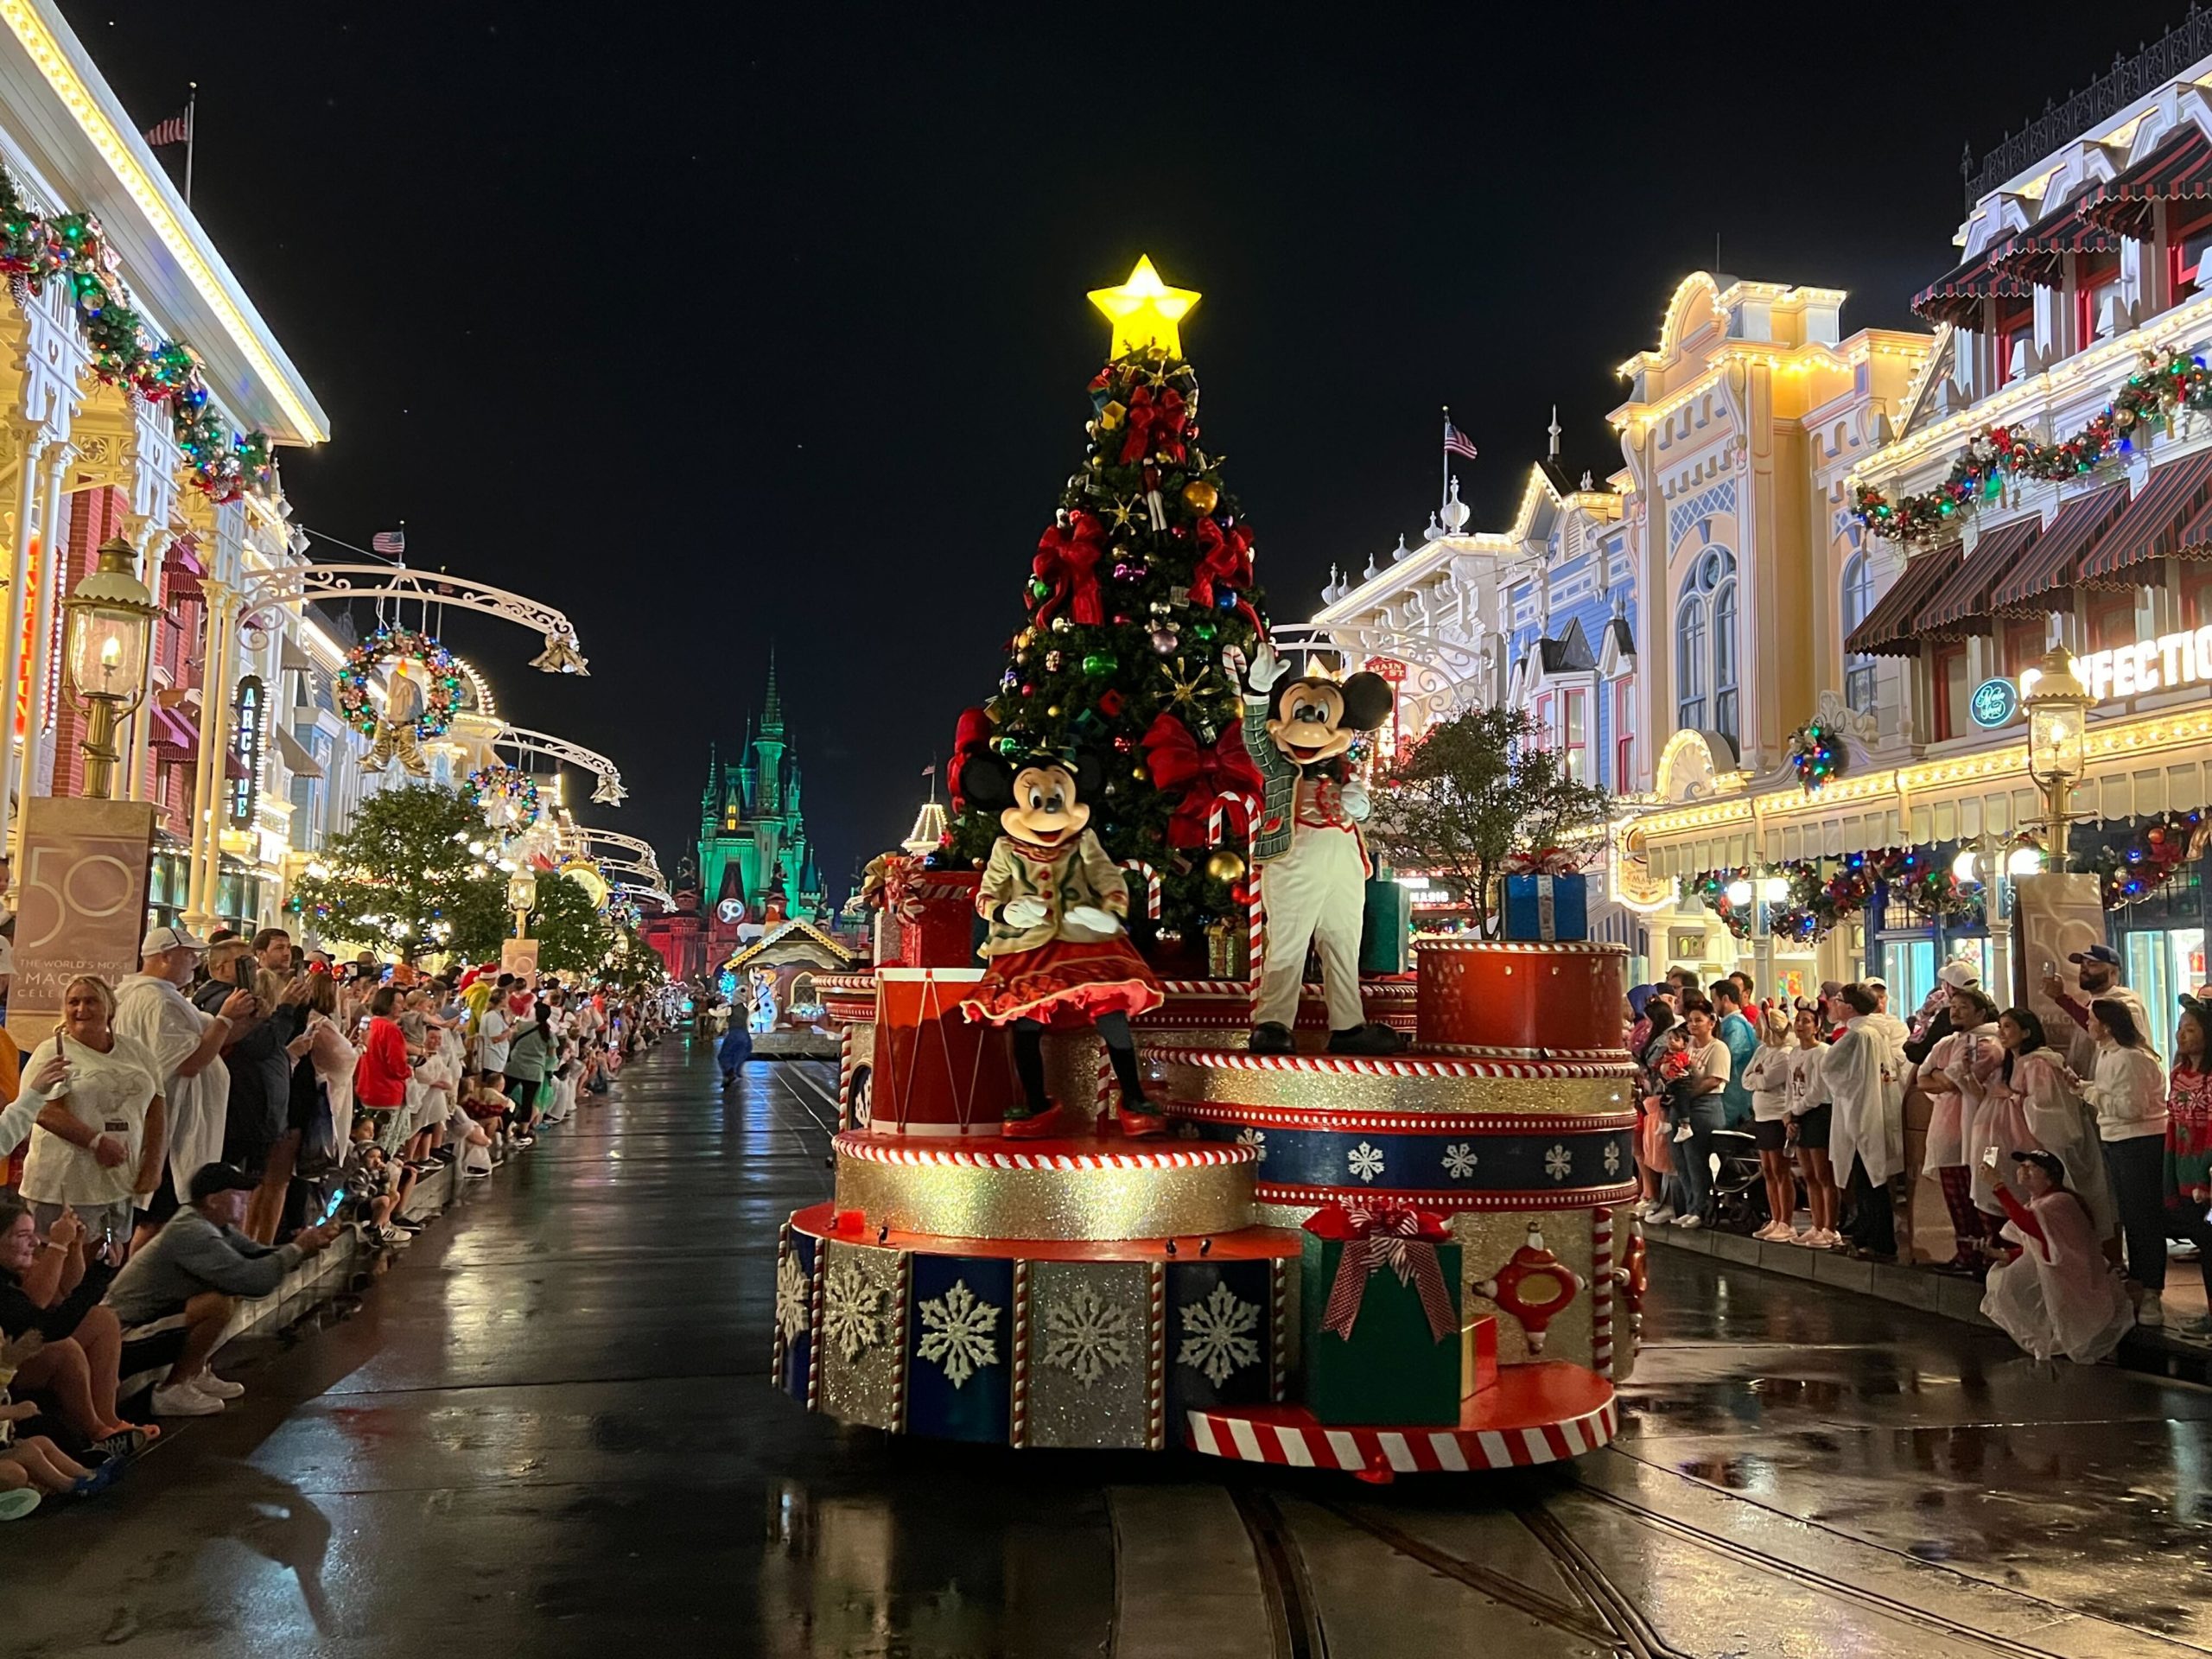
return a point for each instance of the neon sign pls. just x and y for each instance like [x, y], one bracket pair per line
[247, 734]
[2167, 663]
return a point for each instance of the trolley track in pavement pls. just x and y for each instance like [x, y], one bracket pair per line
[1609, 1616]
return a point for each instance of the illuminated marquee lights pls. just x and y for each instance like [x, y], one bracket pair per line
[2167, 663]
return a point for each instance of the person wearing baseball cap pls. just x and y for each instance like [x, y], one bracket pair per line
[2053, 1294]
[152, 1010]
[2096, 970]
[176, 1295]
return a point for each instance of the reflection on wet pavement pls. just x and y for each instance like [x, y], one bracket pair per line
[547, 1429]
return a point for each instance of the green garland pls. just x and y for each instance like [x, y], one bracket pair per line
[2157, 393]
[1819, 901]
[37, 250]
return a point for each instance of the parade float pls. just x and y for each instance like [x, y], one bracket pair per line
[1375, 1223]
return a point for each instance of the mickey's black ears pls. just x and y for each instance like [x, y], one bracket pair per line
[1089, 774]
[1367, 699]
[987, 781]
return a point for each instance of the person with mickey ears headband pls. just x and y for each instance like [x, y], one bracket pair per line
[1058, 953]
[1309, 845]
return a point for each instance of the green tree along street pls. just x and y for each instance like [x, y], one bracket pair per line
[401, 879]
[571, 934]
[1474, 789]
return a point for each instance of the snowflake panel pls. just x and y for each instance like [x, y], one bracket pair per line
[794, 1295]
[1220, 1329]
[1089, 1351]
[960, 1322]
[1458, 1160]
[860, 1364]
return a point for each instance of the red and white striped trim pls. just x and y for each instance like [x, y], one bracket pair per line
[1556, 1197]
[814, 1326]
[1255, 946]
[845, 1079]
[1156, 1364]
[776, 1347]
[1237, 1059]
[1279, 1343]
[1017, 1432]
[1187, 1155]
[1478, 1052]
[1523, 947]
[1403, 1451]
[903, 1294]
[1601, 1294]
[1152, 884]
[1235, 990]
[845, 982]
[1294, 1117]
[1109, 1090]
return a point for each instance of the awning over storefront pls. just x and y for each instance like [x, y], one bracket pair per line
[178, 739]
[1961, 606]
[1955, 297]
[1892, 627]
[2037, 255]
[2042, 579]
[2174, 496]
[2179, 169]
[289, 655]
[294, 754]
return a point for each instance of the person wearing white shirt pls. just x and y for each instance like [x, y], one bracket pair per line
[1862, 1078]
[152, 1010]
[99, 1138]
[2129, 1092]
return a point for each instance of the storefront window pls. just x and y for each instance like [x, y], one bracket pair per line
[2162, 963]
[1689, 665]
[1858, 601]
[1705, 645]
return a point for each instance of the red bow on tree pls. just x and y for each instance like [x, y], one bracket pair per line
[1155, 425]
[1225, 556]
[1202, 772]
[971, 736]
[1068, 561]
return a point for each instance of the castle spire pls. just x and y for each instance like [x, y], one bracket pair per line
[772, 714]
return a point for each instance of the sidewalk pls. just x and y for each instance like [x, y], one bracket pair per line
[2159, 1353]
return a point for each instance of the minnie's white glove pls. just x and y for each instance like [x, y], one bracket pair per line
[1024, 913]
[1093, 919]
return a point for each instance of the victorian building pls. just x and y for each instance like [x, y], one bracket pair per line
[2034, 475]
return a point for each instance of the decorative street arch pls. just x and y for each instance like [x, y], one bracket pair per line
[268, 591]
[609, 791]
[646, 890]
[641, 851]
[1441, 675]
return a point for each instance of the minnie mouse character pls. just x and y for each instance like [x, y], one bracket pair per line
[1058, 956]
[1308, 843]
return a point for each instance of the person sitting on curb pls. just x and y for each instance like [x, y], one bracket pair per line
[175, 1297]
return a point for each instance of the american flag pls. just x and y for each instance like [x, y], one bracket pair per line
[393, 542]
[1457, 443]
[177, 130]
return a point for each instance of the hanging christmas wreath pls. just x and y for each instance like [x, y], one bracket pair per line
[1815, 754]
[390, 645]
[507, 797]
[2151, 855]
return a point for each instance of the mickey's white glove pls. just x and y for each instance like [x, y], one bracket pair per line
[1266, 668]
[1353, 798]
[1024, 913]
[1093, 919]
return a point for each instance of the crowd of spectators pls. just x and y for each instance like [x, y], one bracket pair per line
[183, 1141]
[2073, 1164]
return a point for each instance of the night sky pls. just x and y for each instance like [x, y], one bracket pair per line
[723, 324]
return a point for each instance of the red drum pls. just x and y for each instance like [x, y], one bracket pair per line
[1522, 998]
[935, 1073]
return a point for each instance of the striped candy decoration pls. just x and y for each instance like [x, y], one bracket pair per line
[904, 1295]
[1018, 1409]
[1108, 1090]
[1156, 1364]
[1190, 1155]
[1256, 961]
[814, 1324]
[1218, 815]
[1152, 886]
[1369, 990]
[1279, 1343]
[845, 1079]
[1601, 1294]
[1278, 1437]
[776, 1347]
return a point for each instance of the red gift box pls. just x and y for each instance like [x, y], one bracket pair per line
[937, 923]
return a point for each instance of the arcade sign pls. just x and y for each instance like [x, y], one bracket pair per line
[248, 735]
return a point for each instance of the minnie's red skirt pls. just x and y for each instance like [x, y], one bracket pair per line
[1065, 982]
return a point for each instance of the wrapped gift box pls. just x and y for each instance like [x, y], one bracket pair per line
[1386, 926]
[886, 940]
[1547, 907]
[937, 927]
[1394, 1369]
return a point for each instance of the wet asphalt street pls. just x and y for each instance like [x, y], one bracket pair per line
[546, 1430]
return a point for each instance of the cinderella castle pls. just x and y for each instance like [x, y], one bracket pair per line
[755, 864]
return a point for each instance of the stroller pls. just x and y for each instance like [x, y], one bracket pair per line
[1738, 1187]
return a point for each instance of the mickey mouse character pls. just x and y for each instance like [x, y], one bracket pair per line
[1058, 956]
[1308, 842]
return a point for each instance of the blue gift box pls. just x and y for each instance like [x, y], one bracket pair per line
[1547, 907]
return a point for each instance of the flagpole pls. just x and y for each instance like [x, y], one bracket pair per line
[1444, 490]
[192, 98]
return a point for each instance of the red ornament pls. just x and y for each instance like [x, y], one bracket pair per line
[1110, 704]
[1534, 1286]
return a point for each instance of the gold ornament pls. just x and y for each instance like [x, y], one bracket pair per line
[1200, 497]
[1052, 713]
[1109, 418]
[1139, 774]
[1224, 866]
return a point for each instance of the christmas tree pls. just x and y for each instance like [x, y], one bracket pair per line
[1141, 583]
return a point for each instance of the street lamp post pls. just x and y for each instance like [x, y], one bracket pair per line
[110, 619]
[2057, 710]
[521, 898]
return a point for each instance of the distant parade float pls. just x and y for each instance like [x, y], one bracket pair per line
[1375, 1223]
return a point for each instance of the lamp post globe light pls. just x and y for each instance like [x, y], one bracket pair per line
[110, 619]
[521, 898]
[2057, 710]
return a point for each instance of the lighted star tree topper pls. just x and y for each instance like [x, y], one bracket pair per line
[1145, 311]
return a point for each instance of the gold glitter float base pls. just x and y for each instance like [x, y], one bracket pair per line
[972, 1189]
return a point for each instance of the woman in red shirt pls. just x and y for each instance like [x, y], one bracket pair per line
[380, 1078]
